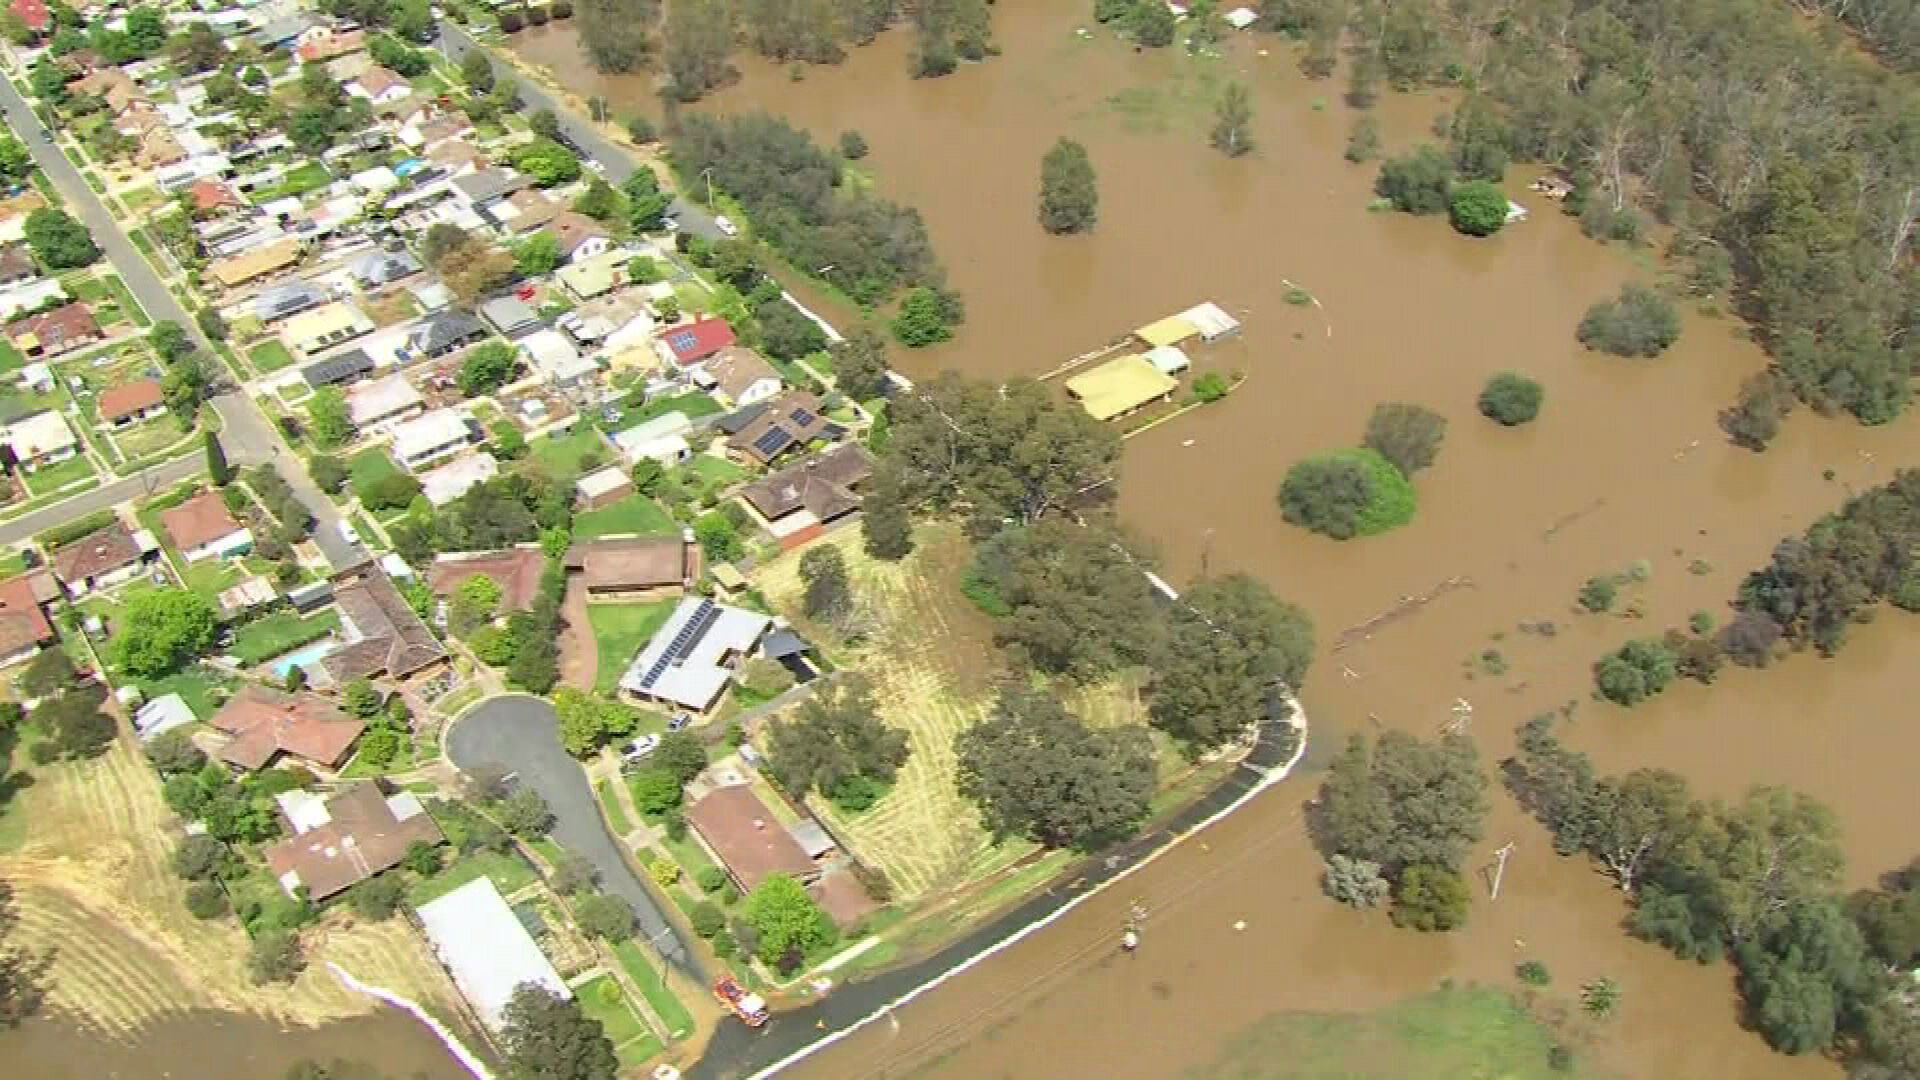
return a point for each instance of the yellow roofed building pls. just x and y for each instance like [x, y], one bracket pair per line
[1120, 386]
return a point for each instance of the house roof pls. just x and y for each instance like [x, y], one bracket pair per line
[1120, 385]
[23, 622]
[200, 520]
[735, 369]
[624, 563]
[129, 399]
[686, 661]
[16, 263]
[383, 267]
[696, 341]
[457, 477]
[265, 723]
[324, 321]
[533, 209]
[68, 322]
[430, 431]
[573, 229]
[100, 552]
[381, 398]
[363, 834]
[487, 949]
[41, 433]
[790, 422]
[377, 80]
[603, 482]
[285, 299]
[445, 330]
[332, 45]
[388, 636]
[516, 570]
[338, 368]
[212, 195]
[508, 313]
[256, 263]
[746, 836]
[485, 185]
[822, 485]
[32, 12]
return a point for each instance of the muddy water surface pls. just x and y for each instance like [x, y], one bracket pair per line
[1625, 464]
[224, 1046]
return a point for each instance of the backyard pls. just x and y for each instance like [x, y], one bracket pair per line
[269, 356]
[281, 632]
[509, 871]
[602, 999]
[561, 455]
[619, 632]
[635, 514]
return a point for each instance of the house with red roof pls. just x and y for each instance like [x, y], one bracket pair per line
[130, 403]
[24, 628]
[684, 346]
[34, 13]
[211, 197]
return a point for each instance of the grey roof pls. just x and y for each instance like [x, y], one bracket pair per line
[812, 838]
[783, 643]
[283, 29]
[489, 184]
[445, 330]
[383, 267]
[287, 299]
[508, 313]
[687, 662]
[736, 421]
[334, 370]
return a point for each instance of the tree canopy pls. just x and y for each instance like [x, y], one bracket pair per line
[1231, 650]
[161, 630]
[58, 241]
[550, 1038]
[1069, 195]
[788, 922]
[1639, 322]
[1068, 598]
[1404, 801]
[1407, 435]
[1511, 399]
[1039, 772]
[1347, 493]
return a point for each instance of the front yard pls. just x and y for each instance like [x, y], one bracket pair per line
[602, 999]
[635, 514]
[52, 478]
[619, 632]
[269, 356]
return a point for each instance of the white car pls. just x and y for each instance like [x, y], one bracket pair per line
[641, 747]
[349, 533]
[726, 226]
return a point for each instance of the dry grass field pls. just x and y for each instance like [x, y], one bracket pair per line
[930, 654]
[93, 883]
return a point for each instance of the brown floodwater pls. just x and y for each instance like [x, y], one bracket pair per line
[223, 1046]
[1625, 464]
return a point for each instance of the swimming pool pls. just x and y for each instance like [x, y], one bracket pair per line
[304, 656]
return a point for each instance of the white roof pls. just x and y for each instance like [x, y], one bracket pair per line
[305, 810]
[598, 483]
[28, 295]
[36, 375]
[457, 477]
[424, 434]
[381, 398]
[1241, 18]
[1211, 320]
[481, 941]
[660, 427]
[41, 433]
[665, 450]
[686, 662]
[395, 566]
[1168, 359]
[162, 714]
[377, 179]
[550, 350]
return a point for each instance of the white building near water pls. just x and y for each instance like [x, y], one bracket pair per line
[486, 949]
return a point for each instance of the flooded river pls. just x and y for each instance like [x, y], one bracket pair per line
[224, 1046]
[1625, 464]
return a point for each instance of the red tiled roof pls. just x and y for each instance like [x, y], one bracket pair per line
[364, 838]
[212, 195]
[22, 620]
[200, 520]
[695, 342]
[747, 837]
[517, 571]
[264, 723]
[377, 80]
[32, 12]
[129, 399]
[327, 48]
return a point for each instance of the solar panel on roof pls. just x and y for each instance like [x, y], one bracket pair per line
[773, 442]
[802, 417]
[683, 342]
[705, 614]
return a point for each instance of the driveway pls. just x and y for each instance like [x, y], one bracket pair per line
[247, 435]
[455, 43]
[521, 734]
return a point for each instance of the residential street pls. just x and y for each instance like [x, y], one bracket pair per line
[455, 43]
[248, 436]
[522, 733]
[149, 482]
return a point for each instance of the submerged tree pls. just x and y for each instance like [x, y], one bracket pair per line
[1069, 197]
[699, 41]
[1233, 653]
[617, 34]
[1233, 121]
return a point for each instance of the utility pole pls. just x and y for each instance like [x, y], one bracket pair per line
[1462, 718]
[1500, 868]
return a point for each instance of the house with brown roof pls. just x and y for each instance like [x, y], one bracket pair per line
[203, 528]
[127, 404]
[13, 216]
[516, 570]
[108, 82]
[818, 491]
[380, 86]
[385, 637]
[747, 840]
[739, 376]
[580, 236]
[158, 149]
[103, 558]
[16, 265]
[265, 724]
[255, 264]
[525, 212]
[788, 424]
[634, 567]
[211, 197]
[24, 628]
[342, 841]
[54, 333]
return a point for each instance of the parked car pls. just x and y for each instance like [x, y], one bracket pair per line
[726, 226]
[679, 722]
[640, 748]
[348, 532]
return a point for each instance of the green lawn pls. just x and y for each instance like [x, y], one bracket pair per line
[669, 1008]
[124, 298]
[211, 577]
[603, 1000]
[561, 454]
[688, 853]
[269, 356]
[510, 873]
[52, 478]
[10, 358]
[620, 631]
[281, 632]
[616, 814]
[695, 405]
[714, 469]
[307, 177]
[151, 437]
[1467, 1032]
[633, 514]
[404, 759]
[196, 687]
[369, 467]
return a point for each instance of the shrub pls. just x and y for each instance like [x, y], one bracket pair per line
[1753, 420]
[853, 146]
[706, 918]
[1511, 399]
[604, 916]
[1357, 883]
[1347, 493]
[200, 858]
[1639, 322]
[1635, 671]
[276, 957]
[664, 873]
[1210, 387]
[206, 900]
[1417, 183]
[1407, 435]
[1478, 208]
[1533, 973]
[1599, 593]
[1430, 899]
[723, 945]
[511, 22]
[711, 879]
[379, 897]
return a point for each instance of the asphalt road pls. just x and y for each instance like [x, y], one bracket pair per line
[149, 482]
[522, 734]
[456, 43]
[248, 437]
